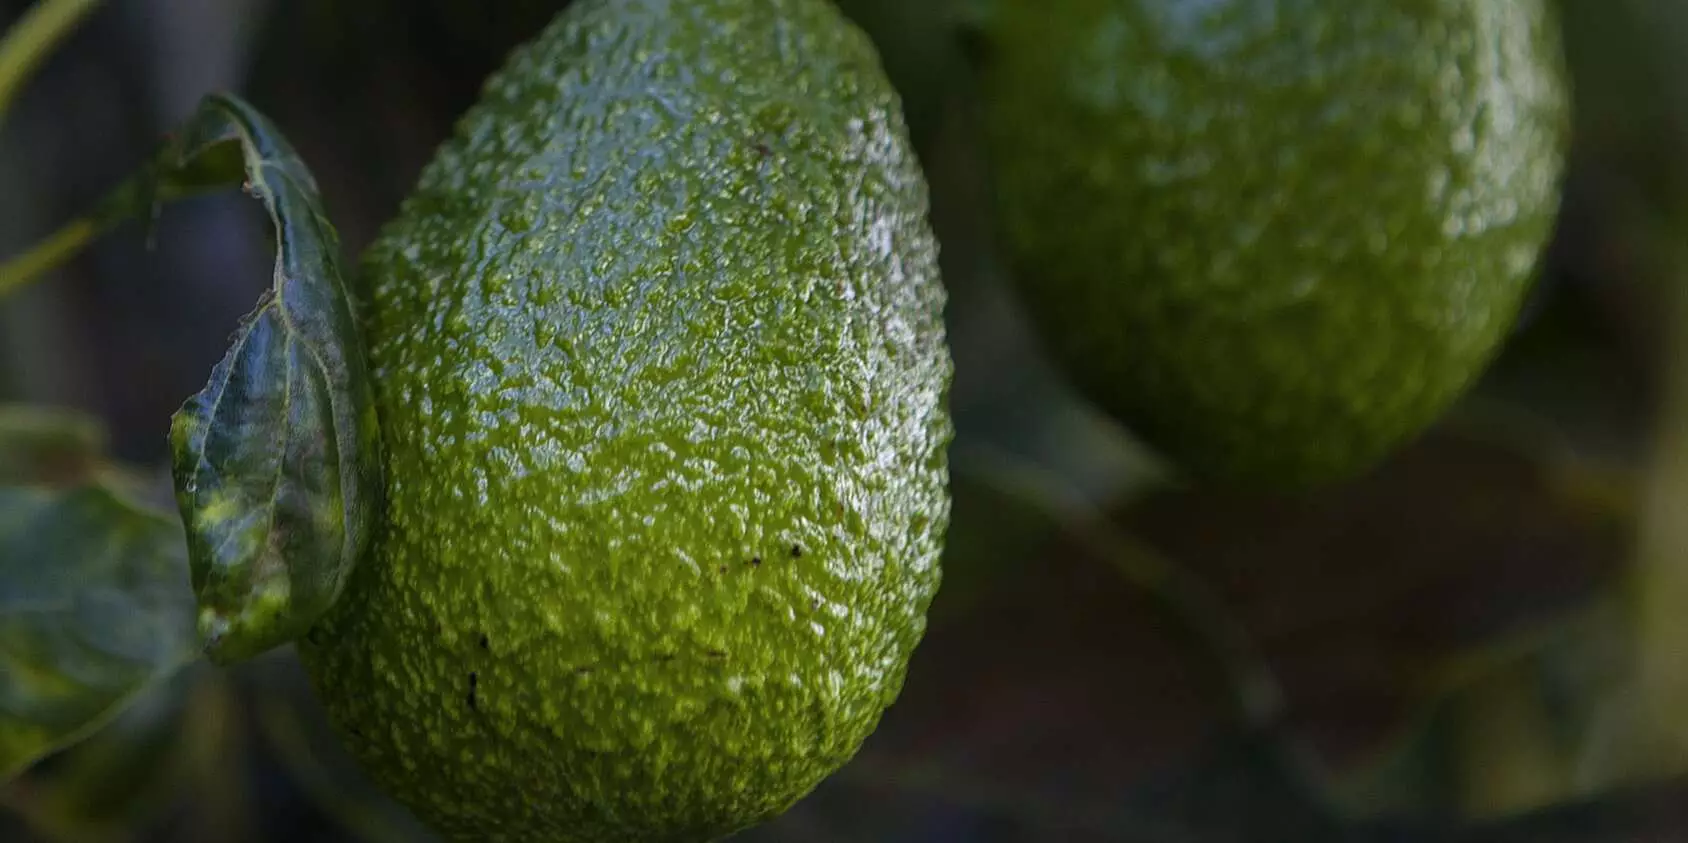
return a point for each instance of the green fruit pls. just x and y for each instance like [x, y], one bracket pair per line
[662, 372]
[1275, 237]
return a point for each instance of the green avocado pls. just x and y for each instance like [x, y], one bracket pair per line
[662, 373]
[1274, 237]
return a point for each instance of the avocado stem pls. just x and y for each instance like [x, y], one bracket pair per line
[35, 35]
[47, 255]
[22, 49]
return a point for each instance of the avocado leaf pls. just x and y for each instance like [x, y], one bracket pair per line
[94, 599]
[277, 461]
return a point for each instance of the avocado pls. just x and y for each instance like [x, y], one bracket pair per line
[1276, 238]
[662, 379]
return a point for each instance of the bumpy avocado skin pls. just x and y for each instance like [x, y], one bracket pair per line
[1275, 237]
[663, 377]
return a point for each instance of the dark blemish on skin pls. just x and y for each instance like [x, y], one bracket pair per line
[796, 551]
[473, 679]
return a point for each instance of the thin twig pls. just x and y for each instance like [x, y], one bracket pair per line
[46, 255]
[32, 38]
[1257, 698]
[1259, 701]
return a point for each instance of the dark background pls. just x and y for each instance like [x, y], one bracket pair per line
[1464, 645]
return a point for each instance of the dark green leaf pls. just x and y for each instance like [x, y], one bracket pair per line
[277, 461]
[94, 607]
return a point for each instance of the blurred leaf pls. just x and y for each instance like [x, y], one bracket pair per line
[94, 608]
[277, 461]
[123, 778]
[1513, 727]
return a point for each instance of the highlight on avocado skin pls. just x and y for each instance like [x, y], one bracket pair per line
[1276, 239]
[659, 353]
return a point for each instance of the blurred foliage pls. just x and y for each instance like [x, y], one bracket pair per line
[1477, 643]
[92, 609]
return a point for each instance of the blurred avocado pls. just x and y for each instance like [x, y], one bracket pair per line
[1276, 238]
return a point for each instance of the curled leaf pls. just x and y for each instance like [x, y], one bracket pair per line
[94, 601]
[277, 461]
